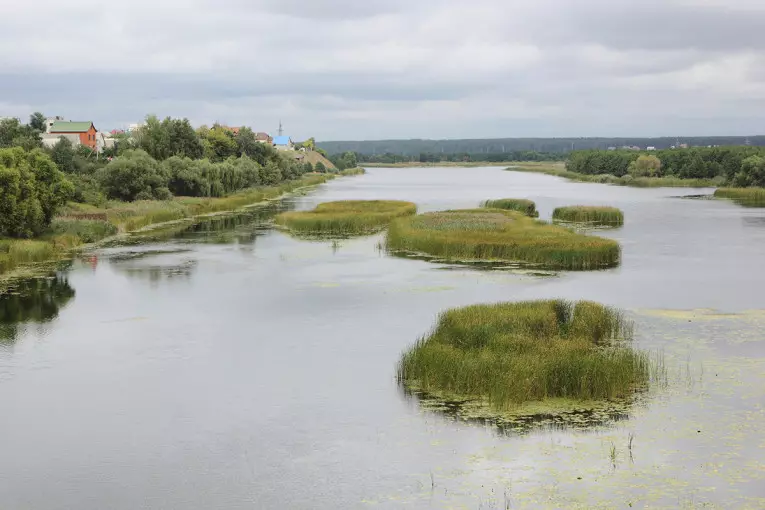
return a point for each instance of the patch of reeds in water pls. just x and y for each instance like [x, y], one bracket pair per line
[500, 235]
[346, 217]
[512, 353]
[527, 207]
[748, 197]
[14, 252]
[87, 230]
[593, 215]
[353, 171]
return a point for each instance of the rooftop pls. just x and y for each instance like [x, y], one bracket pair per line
[63, 126]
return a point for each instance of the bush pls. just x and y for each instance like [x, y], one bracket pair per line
[134, 176]
[31, 190]
[89, 231]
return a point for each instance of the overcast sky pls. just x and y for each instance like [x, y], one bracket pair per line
[370, 69]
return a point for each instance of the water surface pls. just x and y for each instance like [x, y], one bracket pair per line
[229, 365]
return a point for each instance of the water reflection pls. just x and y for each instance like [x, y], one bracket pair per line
[606, 414]
[36, 300]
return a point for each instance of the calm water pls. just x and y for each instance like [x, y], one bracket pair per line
[231, 366]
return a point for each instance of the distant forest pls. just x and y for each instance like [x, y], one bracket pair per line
[472, 150]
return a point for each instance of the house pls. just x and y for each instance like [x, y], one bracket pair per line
[283, 143]
[650, 148]
[233, 130]
[85, 130]
[264, 138]
[49, 140]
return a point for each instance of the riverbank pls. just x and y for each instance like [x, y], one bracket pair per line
[558, 169]
[79, 226]
[418, 164]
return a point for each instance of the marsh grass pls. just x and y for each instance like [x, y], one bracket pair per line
[669, 181]
[15, 252]
[353, 171]
[748, 197]
[527, 207]
[594, 215]
[88, 231]
[513, 353]
[500, 235]
[348, 217]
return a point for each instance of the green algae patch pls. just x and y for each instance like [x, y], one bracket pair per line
[591, 215]
[509, 354]
[346, 217]
[499, 235]
[527, 207]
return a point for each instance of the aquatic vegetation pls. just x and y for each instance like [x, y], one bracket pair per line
[346, 217]
[749, 197]
[353, 171]
[14, 252]
[594, 215]
[497, 234]
[527, 207]
[512, 353]
[87, 230]
[669, 181]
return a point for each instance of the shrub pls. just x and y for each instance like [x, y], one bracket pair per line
[134, 176]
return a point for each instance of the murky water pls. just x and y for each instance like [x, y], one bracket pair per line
[231, 366]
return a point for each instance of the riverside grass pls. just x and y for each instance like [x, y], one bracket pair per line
[748, 197]
[559, 170]
[346, 217]
[593, 215]
[500, 235]
[82, 223]
[513, 353]
[527, 207]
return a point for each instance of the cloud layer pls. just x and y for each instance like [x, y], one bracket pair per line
[336, 69]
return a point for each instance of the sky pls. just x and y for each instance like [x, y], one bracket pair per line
[383, 69]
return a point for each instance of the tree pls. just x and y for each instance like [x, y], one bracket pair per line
[752, 173]
[307, 167]
[134, 175]
[37, 122]
[270, 174]
[63, 155]
[31, 190]
[219, 144]
[321, 168]
[15, 134]
[645, 166]
[169, 137]
[246, 142]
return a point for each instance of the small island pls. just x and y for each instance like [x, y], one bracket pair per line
[590, 215]
[500, 235]
[509, 354]
[527, 207]
[346, 217]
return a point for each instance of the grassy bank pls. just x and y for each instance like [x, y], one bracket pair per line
[353, 171]
[349, 217]
[80, 224]
[496, 234]
[527, 207]
[593, 215]
[417, 164]
[512, 353]
[559, 170]
[749, 197]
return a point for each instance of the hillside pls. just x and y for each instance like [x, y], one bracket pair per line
[315, 157]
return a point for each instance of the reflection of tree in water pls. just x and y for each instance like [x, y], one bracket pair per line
[36, 300]
[241, 228]
[468, 411]
[158, 273]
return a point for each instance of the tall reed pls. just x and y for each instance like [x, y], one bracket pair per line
[749, 197]
[496, 234]
[594, 215]
[527, 207]
[511, 353]
[346, 217]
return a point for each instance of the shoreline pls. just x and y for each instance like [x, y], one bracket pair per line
[38, 268]
[559, 170]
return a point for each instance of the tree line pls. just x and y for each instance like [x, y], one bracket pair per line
[741, 166]
[459, 157]
[483, 146]
[163, 158]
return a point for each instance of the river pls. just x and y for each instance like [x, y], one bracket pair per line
[230, 366]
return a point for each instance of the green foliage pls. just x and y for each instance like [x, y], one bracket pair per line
[63, 154]
[88, 231]
[37, 122]
[15, 134]
[353, 171]
[645, 166]
[134, 176]
[752, 173]
[345, 161]
[346, 217]
[219, 144]
[31, 190]
[320, 168]
[498, 234]
[513, 353]
[169, 137]
[527, 207]
[14, 252]
[748, 197]
[594, 215]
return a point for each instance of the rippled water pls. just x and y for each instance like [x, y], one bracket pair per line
[229, 365]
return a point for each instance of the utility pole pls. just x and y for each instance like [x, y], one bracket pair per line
[281, 129]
